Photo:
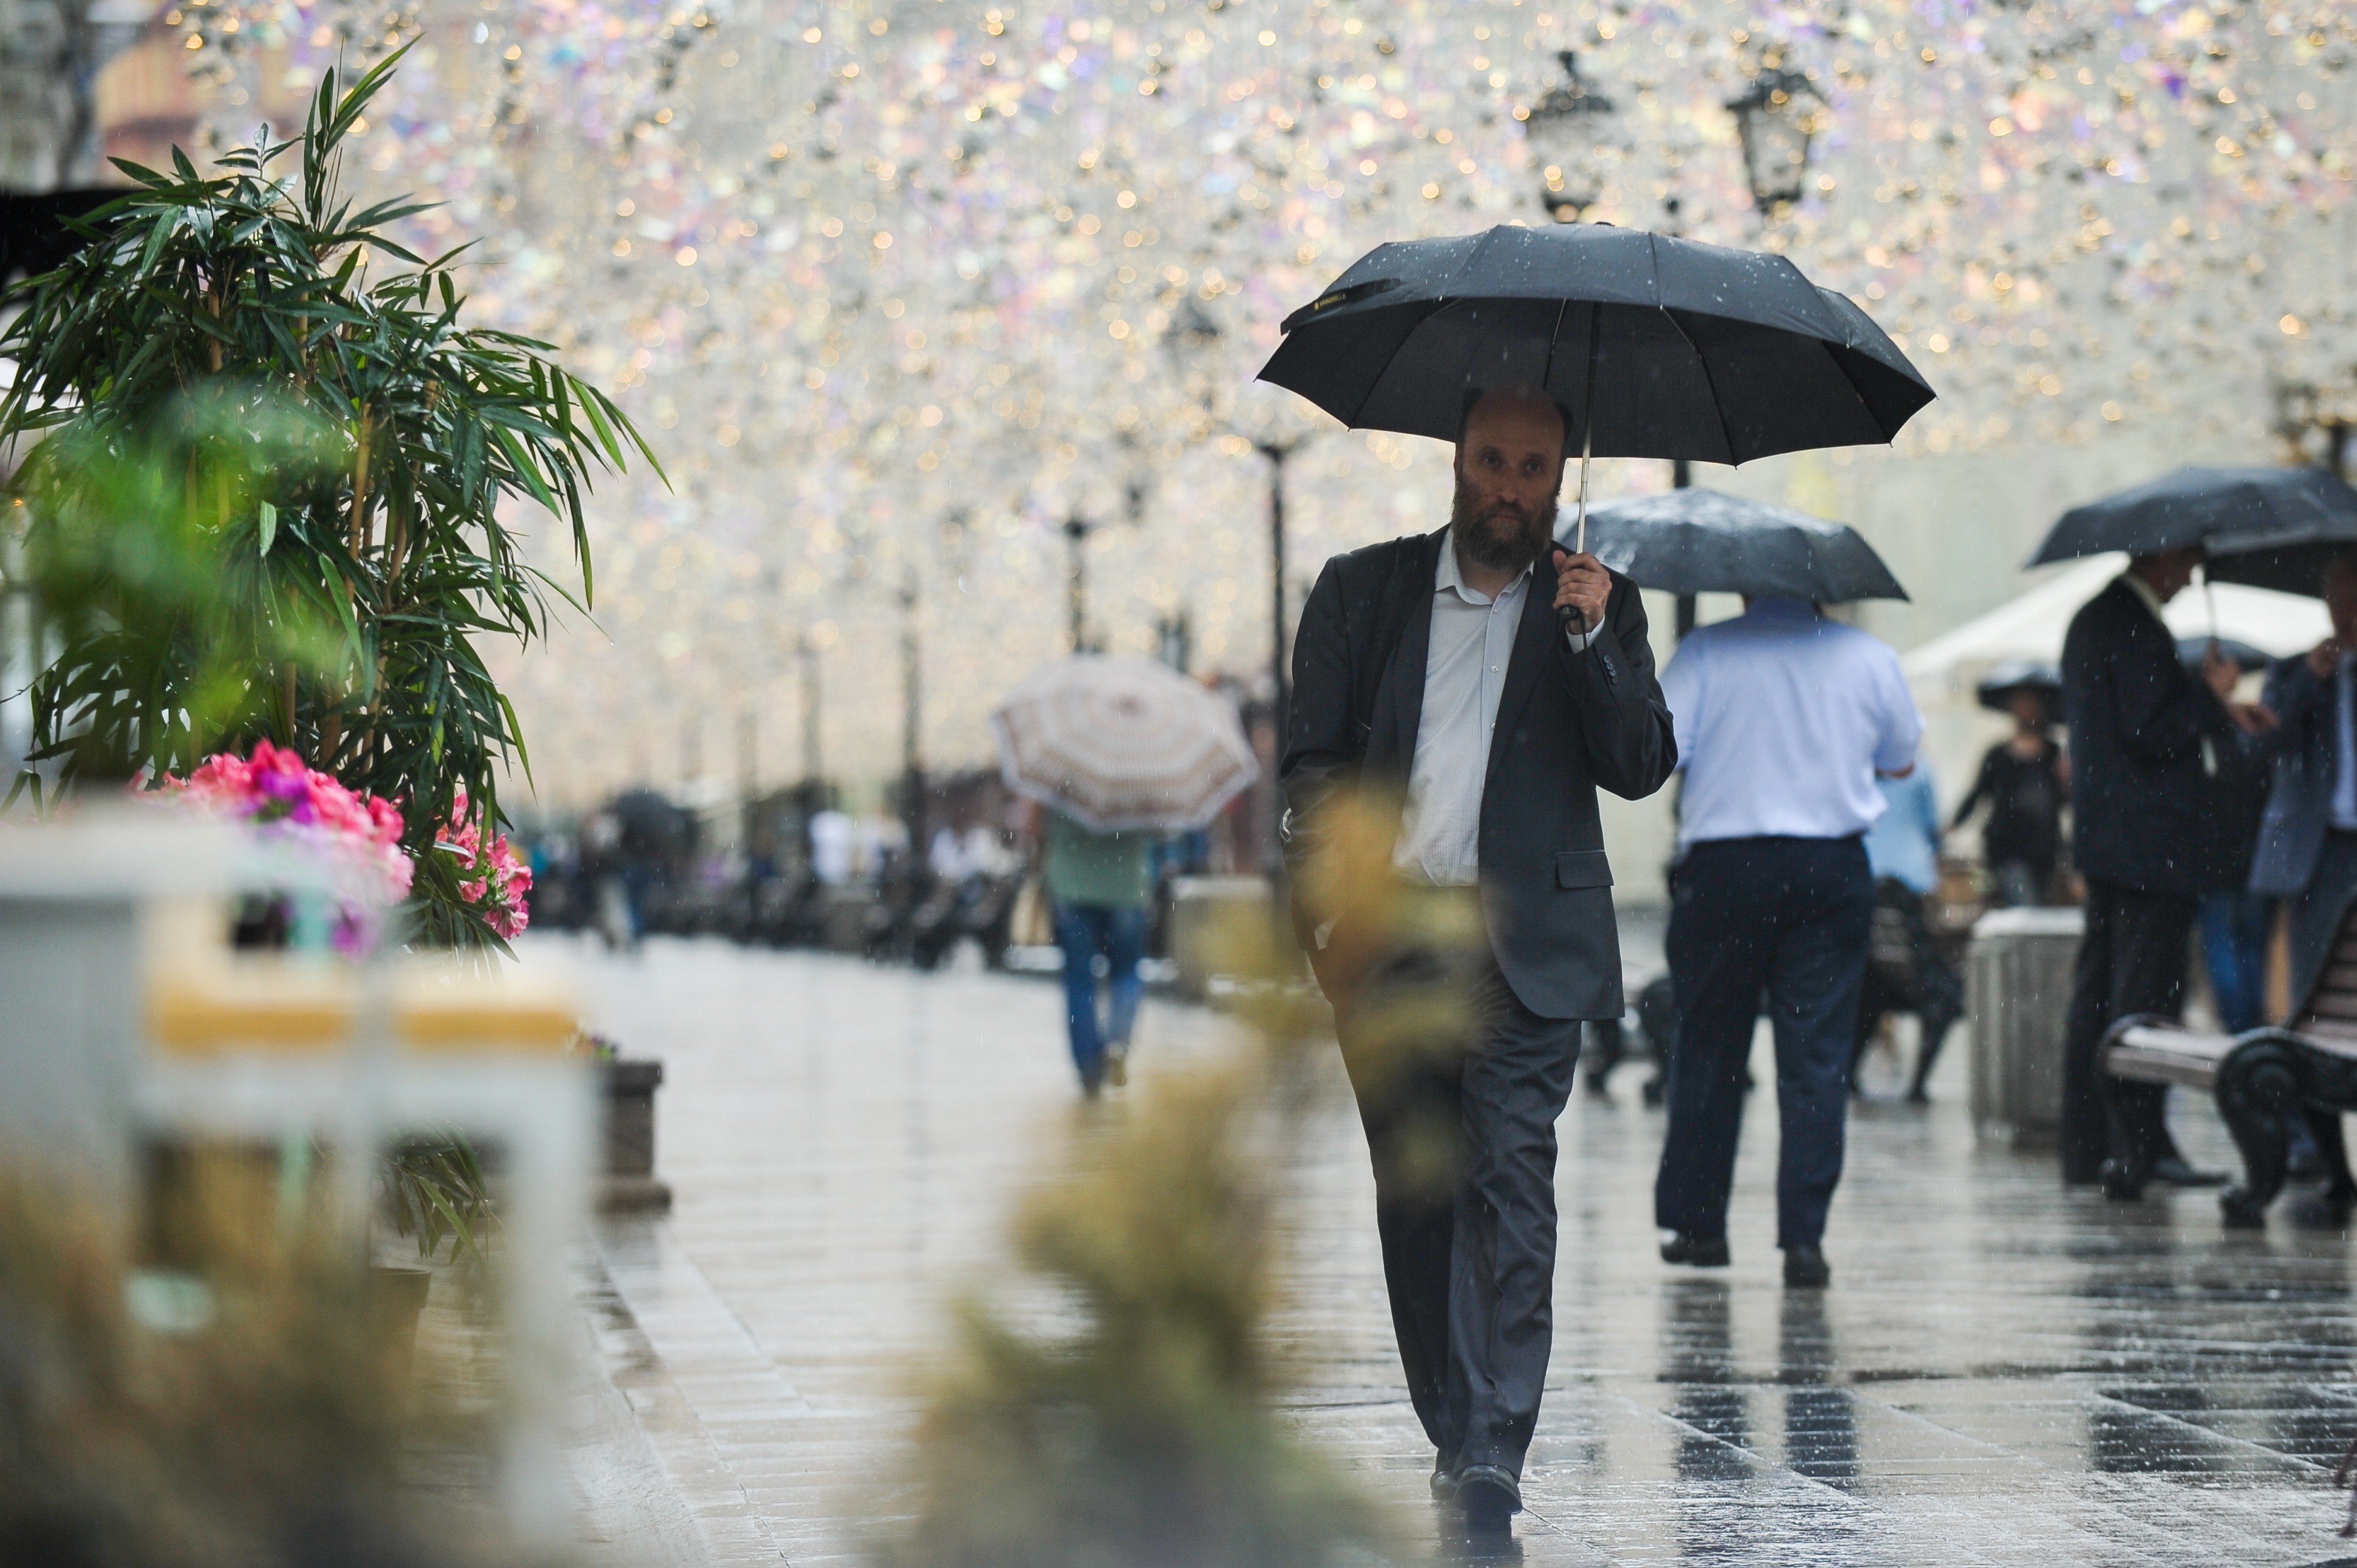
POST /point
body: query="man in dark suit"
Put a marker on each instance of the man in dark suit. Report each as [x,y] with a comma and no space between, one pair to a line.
[2148,744]
[2308,838]
[1434,672]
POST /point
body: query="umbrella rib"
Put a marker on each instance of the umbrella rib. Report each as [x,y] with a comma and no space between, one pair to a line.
[1825,347]
[1546,371]
[1717,408]
[1440,302]
[1376,382]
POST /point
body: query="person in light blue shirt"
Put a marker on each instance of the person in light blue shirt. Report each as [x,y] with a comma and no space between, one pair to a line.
[1904,843]
[1783,719]
[1906,971]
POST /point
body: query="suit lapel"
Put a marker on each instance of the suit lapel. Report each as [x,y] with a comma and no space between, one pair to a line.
[1399,705]
[1530,655]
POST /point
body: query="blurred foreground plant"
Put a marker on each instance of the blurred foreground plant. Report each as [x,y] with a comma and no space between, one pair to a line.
[261,492]
[251,1408]
[1144,1433]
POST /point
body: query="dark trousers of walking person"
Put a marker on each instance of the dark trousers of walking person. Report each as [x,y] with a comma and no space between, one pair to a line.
[1458,1086]
[2131,961]
[1086,932]
[1790,918]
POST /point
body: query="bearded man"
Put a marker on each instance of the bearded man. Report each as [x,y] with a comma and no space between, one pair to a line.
[1486,696]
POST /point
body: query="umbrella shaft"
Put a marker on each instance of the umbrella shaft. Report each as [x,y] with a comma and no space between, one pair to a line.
[1587,425]
[1587,444]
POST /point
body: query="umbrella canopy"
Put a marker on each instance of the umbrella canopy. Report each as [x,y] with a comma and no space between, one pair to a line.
[2222,510]
[1122,744]
[1997,688]
[1707,542]
[1654,347]
[2296,568]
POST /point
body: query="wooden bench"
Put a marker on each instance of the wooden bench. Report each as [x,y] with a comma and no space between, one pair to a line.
[2260,1079]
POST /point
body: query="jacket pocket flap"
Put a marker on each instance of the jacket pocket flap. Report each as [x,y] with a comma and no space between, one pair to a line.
[1583,868]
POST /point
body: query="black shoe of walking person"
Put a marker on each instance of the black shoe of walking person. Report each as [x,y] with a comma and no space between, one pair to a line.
[1696,1252]
[1805,1268]
[1444,1478]
[1490,1497]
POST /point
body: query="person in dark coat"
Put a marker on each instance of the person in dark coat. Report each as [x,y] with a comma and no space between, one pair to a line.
[1434,670]
[2308,837]
[2024,780]
[2147,743]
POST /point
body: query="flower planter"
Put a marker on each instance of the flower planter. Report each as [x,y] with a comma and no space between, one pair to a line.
[627,1181]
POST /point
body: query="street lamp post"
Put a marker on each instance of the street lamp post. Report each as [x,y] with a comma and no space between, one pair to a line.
[1076,578]
[1176,636]
[1568,128]
[813,764]
[912,770]
[1776,121]
[1277,452]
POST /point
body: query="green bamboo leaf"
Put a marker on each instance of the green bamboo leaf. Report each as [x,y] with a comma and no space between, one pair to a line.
[269,530]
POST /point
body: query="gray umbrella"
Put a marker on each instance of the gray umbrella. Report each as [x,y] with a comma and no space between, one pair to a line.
[2222,510]
[1707,542]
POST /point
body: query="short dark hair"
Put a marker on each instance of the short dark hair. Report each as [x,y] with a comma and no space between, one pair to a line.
[1473,395]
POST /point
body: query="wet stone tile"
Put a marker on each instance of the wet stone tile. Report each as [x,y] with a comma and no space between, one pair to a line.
[2001,1374]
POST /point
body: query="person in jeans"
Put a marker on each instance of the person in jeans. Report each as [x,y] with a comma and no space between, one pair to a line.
[1906,971]
[1102,885]
[1784,719]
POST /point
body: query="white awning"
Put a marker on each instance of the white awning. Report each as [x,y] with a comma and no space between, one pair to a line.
[2032,626]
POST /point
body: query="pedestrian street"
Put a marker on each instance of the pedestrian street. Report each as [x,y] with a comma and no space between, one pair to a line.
[2000,1372]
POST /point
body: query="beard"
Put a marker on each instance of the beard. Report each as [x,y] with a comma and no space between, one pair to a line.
[1499,535]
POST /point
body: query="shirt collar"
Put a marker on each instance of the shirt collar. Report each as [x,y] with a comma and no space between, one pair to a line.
[2143,590]
[1448,577]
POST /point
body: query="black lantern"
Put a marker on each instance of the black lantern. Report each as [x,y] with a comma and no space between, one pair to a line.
[1568,131]
[1776,120]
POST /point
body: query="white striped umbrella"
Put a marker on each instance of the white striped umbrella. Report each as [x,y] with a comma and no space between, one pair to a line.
[1123,744]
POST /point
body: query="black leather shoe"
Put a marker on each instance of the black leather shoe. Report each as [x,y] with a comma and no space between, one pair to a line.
[1696,1252]
[2174,1172]
[1444,1478]
[1490,1497]
[1805,1268]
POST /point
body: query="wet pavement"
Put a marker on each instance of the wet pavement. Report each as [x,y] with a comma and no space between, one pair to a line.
[2001,1372]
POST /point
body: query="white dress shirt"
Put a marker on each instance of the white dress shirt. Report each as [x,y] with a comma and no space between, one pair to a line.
[1464,675]
[1782,719]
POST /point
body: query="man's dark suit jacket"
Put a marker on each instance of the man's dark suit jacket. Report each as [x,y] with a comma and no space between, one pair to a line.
[1568,721]
[2146,809]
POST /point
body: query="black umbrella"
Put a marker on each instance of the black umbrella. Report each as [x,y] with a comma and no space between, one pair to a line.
[1707,542]
[2222,510]
[1997,688]
[2286,568]
[1653,347]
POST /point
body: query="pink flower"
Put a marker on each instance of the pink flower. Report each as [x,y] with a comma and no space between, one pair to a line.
[358,836]
[494,879]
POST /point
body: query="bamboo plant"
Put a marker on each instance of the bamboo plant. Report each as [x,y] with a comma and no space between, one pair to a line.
[332,599]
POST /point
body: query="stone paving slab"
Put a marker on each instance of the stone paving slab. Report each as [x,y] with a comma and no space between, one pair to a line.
[2002,1372]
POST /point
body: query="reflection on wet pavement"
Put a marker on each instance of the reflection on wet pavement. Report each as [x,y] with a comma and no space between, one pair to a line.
[2001,1372]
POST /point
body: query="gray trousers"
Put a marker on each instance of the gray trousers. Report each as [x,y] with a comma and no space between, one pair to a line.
[2316,909]
[1458,1086]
